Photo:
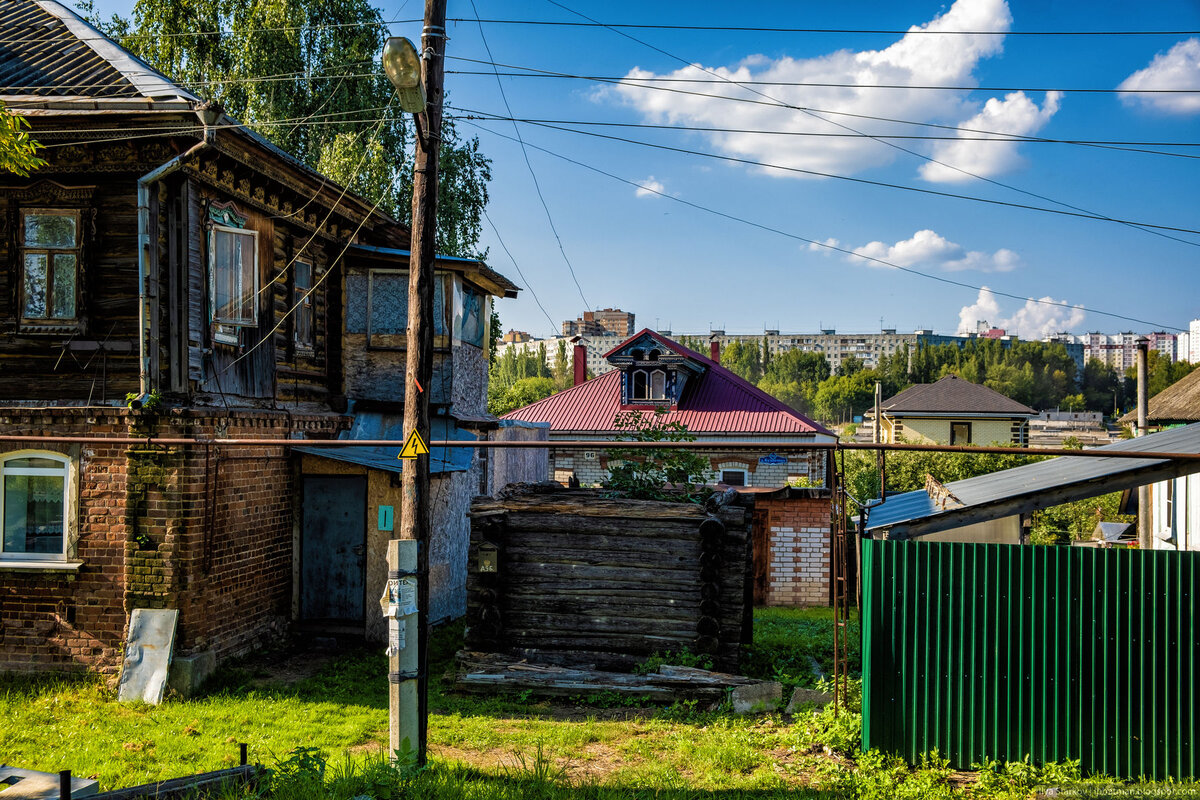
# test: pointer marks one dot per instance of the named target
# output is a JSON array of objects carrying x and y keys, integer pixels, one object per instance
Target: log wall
[{"x": 583, "y": 580}]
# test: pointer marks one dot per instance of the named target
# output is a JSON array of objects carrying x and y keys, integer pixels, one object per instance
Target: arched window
[
  {"x": 658, "y": 385},
  {"x": 638, "y": 386},
  {"x": 33, "y": 505},
  {"x": 638, "y": 354},
  {"x": 654, "y": 354}
]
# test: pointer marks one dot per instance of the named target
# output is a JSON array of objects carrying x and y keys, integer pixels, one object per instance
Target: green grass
[{"x": 324, "y": 737}]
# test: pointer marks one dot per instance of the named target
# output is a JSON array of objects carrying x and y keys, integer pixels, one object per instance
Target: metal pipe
[
  {"x": 1144, "y": 533},
  {"x": 601, "y": 444},
  {"x": 144, "y": 244}
]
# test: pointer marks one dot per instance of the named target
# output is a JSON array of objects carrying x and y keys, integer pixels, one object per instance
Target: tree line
[{"x": 1041, "y": 375}]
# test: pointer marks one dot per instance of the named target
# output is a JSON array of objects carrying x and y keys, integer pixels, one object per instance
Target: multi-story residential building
[
  {"x": 1119, "y": 350},
  {"x": 515, "y": 337},
  {"x": 1194, "y": 341},
  {"x": 597, "y": 346},
  {"x": 610, "y": 321},
  {"x": 836, "y": 347}
]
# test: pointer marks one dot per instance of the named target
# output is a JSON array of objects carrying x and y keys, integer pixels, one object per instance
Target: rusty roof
[{"x": 718, "y": 402}]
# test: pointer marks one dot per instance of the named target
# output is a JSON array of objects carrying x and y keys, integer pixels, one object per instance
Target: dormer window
[
  {"x": 648, "y": 384},
  {"x": 658, "y": 382},
  {"x": 638, "y": 354},
  {"x": 654, "y": 354},
  {"x": 639, "y": 388}
]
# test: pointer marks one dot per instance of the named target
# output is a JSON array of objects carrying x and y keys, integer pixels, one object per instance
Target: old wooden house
[
  {"x": 169, "y": 259},
  {"x": 652, "y": 372}
]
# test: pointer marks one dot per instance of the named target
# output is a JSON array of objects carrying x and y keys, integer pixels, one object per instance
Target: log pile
[{"x": 574, "y": 578}]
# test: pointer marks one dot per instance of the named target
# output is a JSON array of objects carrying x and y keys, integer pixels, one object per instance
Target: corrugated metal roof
[
  {"x": 717, "y": 402},
  {"x": 375, "y": 426},
  {"x": 953, "y": 394},
  {"x": 50, "y": 51},
  {"x": 1060, "y": 479}
]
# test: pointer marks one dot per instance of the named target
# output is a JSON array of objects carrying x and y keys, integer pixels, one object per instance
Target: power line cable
[
  {"x": 776, "y": 29},
  {"x": 886, "y": 143},
  {"x": 819, "y": 85},
  {"x": 1132, "y": 147},
  {"x": 524, "y": 280},
  {"x": 825, "y": 245},
  {"x": 882, "y": 184},
  {"x": 533, "y": 174}
]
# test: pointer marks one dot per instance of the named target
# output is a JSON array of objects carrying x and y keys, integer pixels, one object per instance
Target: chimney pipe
[
  {"x": 580, "y": 363},
  {"x": 714, "y": 351}
]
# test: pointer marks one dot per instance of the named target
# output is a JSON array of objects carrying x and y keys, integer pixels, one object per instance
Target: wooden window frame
[
  {"x": 49, "y": 323},
  {"x": 302, "y": 300},
  {"x": 953, "y": 442},
  {"x": 227, "y": 331}
]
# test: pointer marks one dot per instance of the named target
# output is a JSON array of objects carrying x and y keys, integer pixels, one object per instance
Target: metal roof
[
  {"x": 717, "y": 401},
  {"x": 509, "y": 288},
  {"x": 370, "y": 425},
  {"x": 50, "y": 51},
  {"x": 1039, "y": 485}
]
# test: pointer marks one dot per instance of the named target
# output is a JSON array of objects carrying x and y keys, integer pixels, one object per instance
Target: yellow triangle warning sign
[{"x": 414, "y": 446}]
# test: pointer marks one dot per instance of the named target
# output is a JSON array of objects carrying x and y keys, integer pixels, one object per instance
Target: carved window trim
[{"x": 53, "y": 257}]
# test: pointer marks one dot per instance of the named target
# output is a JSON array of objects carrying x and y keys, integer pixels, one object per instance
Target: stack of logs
[{"x": 575, "y": 578}]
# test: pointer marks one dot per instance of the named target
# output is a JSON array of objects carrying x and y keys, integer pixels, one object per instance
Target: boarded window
[
  {"x": 50, "y": 265},
  {"x": 233, "y": 265}
]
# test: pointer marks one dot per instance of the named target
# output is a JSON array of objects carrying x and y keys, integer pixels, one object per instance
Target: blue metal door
[{"x": 333, "y": 548}]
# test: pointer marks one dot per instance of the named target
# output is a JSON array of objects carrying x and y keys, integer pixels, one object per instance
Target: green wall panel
[{"x": 1005, "y": 651}]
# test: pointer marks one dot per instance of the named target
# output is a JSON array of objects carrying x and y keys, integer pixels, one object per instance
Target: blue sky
[{"x": 677, "y": 266}]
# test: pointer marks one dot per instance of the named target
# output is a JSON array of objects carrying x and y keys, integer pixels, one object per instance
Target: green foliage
[
  {"x": 495, "y": 334},
  {"x": 520, "y": 394},
  {"x": 1076, "y": 520},
  {"x": 794, "y": 646},
  {"x": 1161, "y": 372},
  {"x": 743, "y": 359},
  {"x": 361, "y": 142},
  {"x": 150, "y": 404},
  {"x": 679, "y": 658},
  {"x": 649, "y": 474},
  {"x": 906, "y": 470},
  {"x": 18, "y": 152}
]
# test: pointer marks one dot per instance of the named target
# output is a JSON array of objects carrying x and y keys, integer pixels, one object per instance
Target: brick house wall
[
  {"x": 206, "y": 530},
  {"x": 795, "y": 561},
  {"x": 590, "y": 467}
]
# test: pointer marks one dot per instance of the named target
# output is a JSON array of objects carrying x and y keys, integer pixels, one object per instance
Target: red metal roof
[{"x": 720, "y": 402}]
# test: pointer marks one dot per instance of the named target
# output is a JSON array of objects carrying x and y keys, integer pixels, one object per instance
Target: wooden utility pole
[{"x": 415, "y": 513}]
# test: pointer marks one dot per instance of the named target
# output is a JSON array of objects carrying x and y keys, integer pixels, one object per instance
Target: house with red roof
[
  {"x": 791, "y": 525},
  {"x": 716, "y": 405}
]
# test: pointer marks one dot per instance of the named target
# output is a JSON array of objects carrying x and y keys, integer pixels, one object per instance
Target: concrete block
[
  {"x": 807, "y": 697},
  {"x": 757, "y": 698},
  {"x": 27, "y": 784},
  {"x": 189, "y": 672}
]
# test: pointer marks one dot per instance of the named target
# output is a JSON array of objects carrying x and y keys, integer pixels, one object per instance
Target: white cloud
[
  {"x": 1178, "y": 68},
  {"x": 1034, "y": 320},
  {"x": 824, "y": 247},
  {"x": 1016, "y": 114},
  {"x": 651, "y": 188},
  {"x": 927, "y": 248},
  {"x": 915, "y": 59}
]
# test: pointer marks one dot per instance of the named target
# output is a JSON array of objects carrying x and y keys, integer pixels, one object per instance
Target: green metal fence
[{"x": 991, "y": 651}]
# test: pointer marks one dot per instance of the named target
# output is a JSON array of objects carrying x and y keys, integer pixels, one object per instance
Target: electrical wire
[
  {"x": 886, "y": 143},
  {"x": 825, "y": 245},
  {"x": 525, "y": 280},
  {"x": 532, "y": 174},
  {"x": 774, "y": 29},
  {"x": 868, "y": 182},
  {"x": 1133, "y": 147},
  {"x": 813, "y": 84}
]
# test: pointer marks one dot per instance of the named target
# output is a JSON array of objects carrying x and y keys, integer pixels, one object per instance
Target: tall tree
[{"x": 305, "y": 74}]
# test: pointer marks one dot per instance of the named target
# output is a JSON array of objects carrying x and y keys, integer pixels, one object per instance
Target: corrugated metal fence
[{"x": 991, "y": 651}]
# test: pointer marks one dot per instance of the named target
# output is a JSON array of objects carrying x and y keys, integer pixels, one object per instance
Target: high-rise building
[
  {"x": 1194, "y": 341},
  {"x": 608, "y": 321}
]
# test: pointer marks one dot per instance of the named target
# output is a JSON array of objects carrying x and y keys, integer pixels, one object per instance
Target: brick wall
[
  {"x": 209, "y": 533},
  {"x": 796, "y": 560},
  {"x": 590, "y": 467}
]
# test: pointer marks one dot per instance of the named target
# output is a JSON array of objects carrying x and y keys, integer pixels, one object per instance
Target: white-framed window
[
  {"x": 49, "y": 265},
  {"x": 34, "y": 508},
  {"x": 233, "y": 280},
  {"x": 639, "y": 387},
  {"x": 302, "y": 285}
]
